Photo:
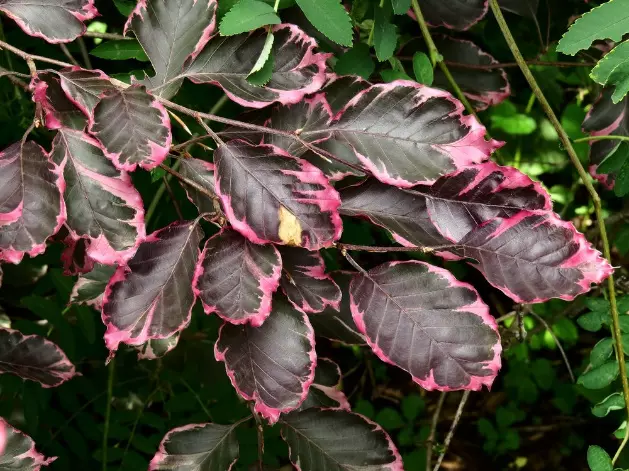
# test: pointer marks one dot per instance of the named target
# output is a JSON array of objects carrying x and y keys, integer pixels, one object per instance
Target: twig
[
  {"x": 135, "y": 424},
  {"x": 94, "y": 34},
  {"x": 69, "y": 55},
  {"x": 209, "y": 131},
  {"x": 567, "y": 144},
  {"x": 172, "y": 197},
  {"x": 504, "y": 65},
  {"x": 86, "y": 56},
  {"x": 455, "y": 422},
  {"x": 196, "y": 396},
  {"x": 30, "y": 57},
  {"x": 368, "y": 248},
  {"x": 602, "y": 138},
  {"x": 353, "y": 262},
  {"x": 189, "y": 142},
  {"x": 550, "y": 330},
  {"x": 613, "y": 219},
  {"x": 110, "y": 394},
  {"x": 189, "y": 182},
  {"x": 158, "y": 195},
  {"x": 433, "y": 429}
]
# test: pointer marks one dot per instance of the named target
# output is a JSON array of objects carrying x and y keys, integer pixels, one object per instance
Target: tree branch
[
  {"x": 369, "y": 248},
  {"x": 567, "y": 144},
  {"x": 433, "y": 429},
  {"x": 94, "y": 34}
]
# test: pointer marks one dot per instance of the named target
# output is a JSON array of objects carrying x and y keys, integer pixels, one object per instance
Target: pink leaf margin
[
  {"x": 88, "y": 11},
  {"x": 38, "y": 459},
  {"x": 328, "y": 200},
  {"x": 114, "y": 336},
  {"x": 161, "y": 454},
  {"x": 478, "y": 308},
  {"x": 471, "y": 149},
  {"x": 270, "y": 413},
  {"x": 63, "y": 377},
  {"x": 11, "y": 255},
  {"x": 266, "y": 284},
  {"x": 397, "y": 465}
]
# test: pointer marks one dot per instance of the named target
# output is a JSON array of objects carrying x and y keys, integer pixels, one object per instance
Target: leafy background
[{"x": 534, "y": 417}]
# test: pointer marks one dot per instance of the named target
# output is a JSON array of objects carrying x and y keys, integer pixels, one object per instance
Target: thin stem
[
  {"x": 110, "y": 394},
  {"x": 504, "y": 65},
  {"x": 565, "y": 140},
  {"x": 353, "y": 262},
  {"x": 135, "y": 424},
  {"x": 30, "y": 57},
  {"x": 94, "y": 34},
  {"x": 68, "y": 54},
  {"x": 84, "y": 54},
  {"x": 369, "y": 248},
  {"x": 196, "y": 396},
  {"x": 189, "y": 142},
  {"x": 158, "y": 195},
  {"x": 189, "y": 182},
  {"x": 557, "y": 342},
  {"x": 172, "y": 197},
  {"x": 602, "y": 138},
  {"x": 209, "y": 131},
  {"x": 260, "y": 430},
  {"x": 430, "y": 441},
  {"x": 455, "y": 422}
]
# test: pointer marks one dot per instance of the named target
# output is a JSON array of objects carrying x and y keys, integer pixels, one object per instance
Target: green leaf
[
  {"x": 608, "y": 21},
  {"x": 598, "y": 459},
  {"x": 612, "y": 402},
  {"x": 120, "y": 50},
  {"x": 125, "y": 7},
  {"x": 412, "y": 406},
  {"x": 330, "y": 18},
  {"x": 615, "y": 160},
  {"x": 601, "y": 352},
  {"x": 400, "y": 7},
  {"x": 264, "y": 54},
  {"x": 518, "y": 124},
  {"x": 356, "y": 61},
  {"x": 390, "y": 75},
  {"x": 621, "y": 186},
  {"x": 621, "y": 240},
  {"x": 422, "y": 67},
  {"x": 365, "y": 408},
  {"x": 262, "y": 76},
  {"x": 248, "y": 15},
  {"x": 384, "y": 36},
  {"x": 613, "y": 70},
  {"x": 600, "y": 377},
  {"x": 389, "y": 418}
]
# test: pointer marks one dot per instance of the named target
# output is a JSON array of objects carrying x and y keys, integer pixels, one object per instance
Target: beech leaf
[{"x": 17, "y": 450}]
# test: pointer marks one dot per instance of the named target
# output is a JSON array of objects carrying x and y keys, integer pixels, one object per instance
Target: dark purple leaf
[
  {"x": 269, "y": 196},
  {"x": 453, "y": 14},
  {"x": 405, "y": 133},
  {"x": 202, "y": 173},
  {"x": 402, "y": 212},
  {"x": 31, "y": 206},
  {"x": 527, "y": 8},
  {"x": 56, "y": 21},
  {"x": 227, "y": 61},
  {"x": 272, "y": 365},
  {"x": 420, "y": 318},
  {"x": 35, "y": 358},
  {"x": 459, "y": 202},
  {"x": 157, "y": 348},
  {"x": 326, "y": 388},
  {"x": 133, "y": 128},
  {"x": 339, "y": 90},
  {"x": 202, "y": 447},
  {"x": 74, "y": 256},
  {"x": 90, "y": 287},
  {"x": 102, "y": 204},
  {"x": 152, "y": 297},
  {"x": 306, "y": 284},
  {"x": 335, "y": 439},
  {"x": 17, "y": 450},
  {"x": 84, "y": 87},
  {"x": 171, "y": 32},
  {"x": 236, "y": 279},
  {"x": 482, "y": 87},
  {"x": 58, "y": 109},
  {"x": 606, "y": 119},
  {"x": 533, "y": 256},
  {"x": 338, "y": 325}
]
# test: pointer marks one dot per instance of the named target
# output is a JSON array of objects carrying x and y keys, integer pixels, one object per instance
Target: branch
[
  {"x": 69, "y": 55},
  {"x": 31, "y": 57},
  {"x": 455, "y": 422},
  {"x": 504, "y": 65},
  {"x": 189, "y": 182},
  {"x": 567, "y": 144},
  {"x": 430, "y": 441},
  {"x": 369, "y": 248},
  {"x": 602, "y": 138},
  {"x": 550, "y": 331},
  {"x": 94, "y": 34}
]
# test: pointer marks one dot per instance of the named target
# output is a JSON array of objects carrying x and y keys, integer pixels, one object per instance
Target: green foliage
[
  {"x": 247, "y": 15},
  {"x": 356, "y": 61},
  {"x": 422, "y": 68},
  {"x": 385, "y": 34},
  {"x": 330, "y": 18},
  {"x": 598, "y": 459},
  {"x": 400, "y": 7},
  {"x": 262, "y": 70},
  {"x": 120, "y": 50},
  {"x": 607, "y": 21}
]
